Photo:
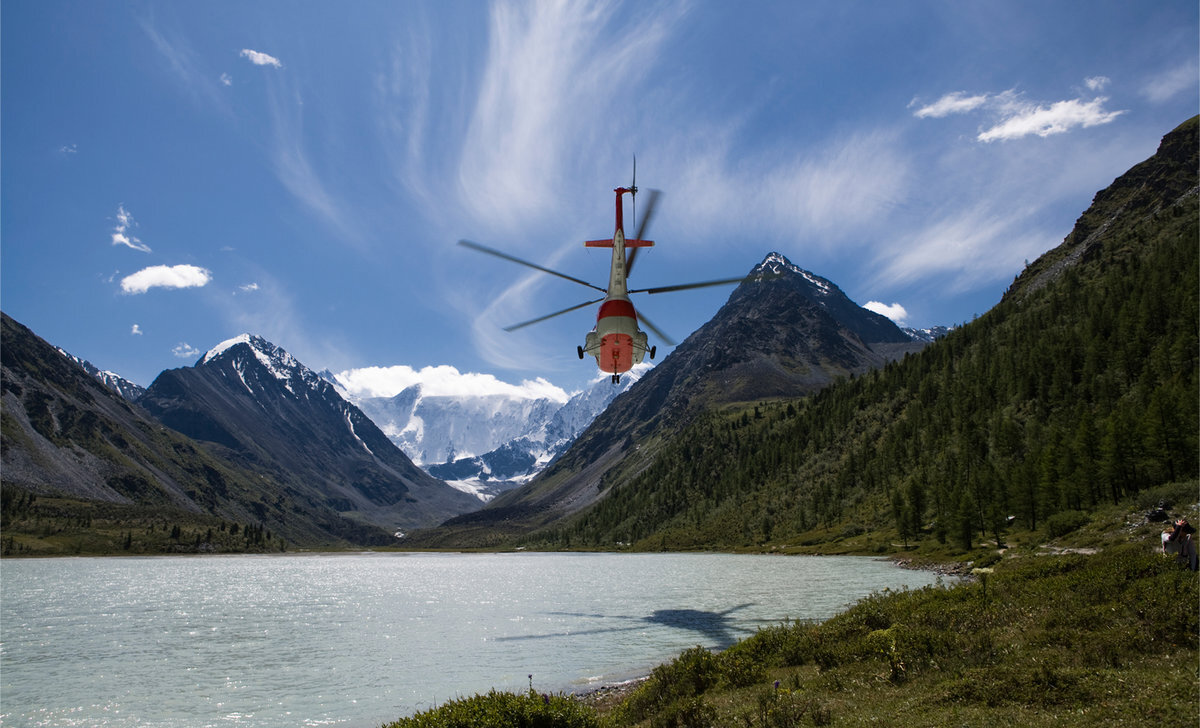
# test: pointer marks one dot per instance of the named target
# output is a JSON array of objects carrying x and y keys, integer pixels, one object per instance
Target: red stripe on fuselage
[{"x": 616, "y": 307}]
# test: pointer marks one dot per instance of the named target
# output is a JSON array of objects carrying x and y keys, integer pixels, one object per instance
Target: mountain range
[
  {"x": 316, "y": 468},
  {"x": 788, "y": 413},
  {"x": 247, "y": 435},
  {"x": 784, "y": 332}
]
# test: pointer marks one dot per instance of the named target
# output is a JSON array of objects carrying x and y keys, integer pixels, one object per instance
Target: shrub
[
  {"x": 783, "y": 708},
  {"x": 739, "y": 669},
  {"x": 505, "y": 710},
  {"x": 671, "y": 685},
  {"x": 1060, "y": 524},
  {"x": 690, "y": 712}
]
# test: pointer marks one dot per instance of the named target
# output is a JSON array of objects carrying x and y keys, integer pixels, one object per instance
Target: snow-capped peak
[
  {"x": 776, "y": 263},
  {"x": 279, "y": 362},
  {"x": 224, "y": 346}
]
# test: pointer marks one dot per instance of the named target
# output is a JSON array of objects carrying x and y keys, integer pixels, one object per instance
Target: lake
[{"x": 360, "y": 639}]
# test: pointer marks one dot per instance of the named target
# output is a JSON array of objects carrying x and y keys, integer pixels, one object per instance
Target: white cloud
[
  {"x": 441, "y": 381},
  {"x": 162, "y": 276},
  {"x": 1057, "y": 118},
  {"x": 226, "y": 79},
  {"x": 1013, "y": 118},
  {"x": 136, "y": 330},
  {"x": 248, "y": 288},
  {"x": 1167, "y": 84},
  {"x": 895, "y": 311},
  {"x": 184, "y": 350},
  {"x": 952, "y": 103},
  {"x": 260, "y": 59},
  {"x": 125, "y": 221},
  {"x": 68, "y": 149}
]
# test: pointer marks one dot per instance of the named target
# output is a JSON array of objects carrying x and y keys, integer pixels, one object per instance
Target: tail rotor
[{"x": 649, "y": 213}]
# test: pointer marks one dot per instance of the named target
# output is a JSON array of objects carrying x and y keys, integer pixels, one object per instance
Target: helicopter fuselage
[{"x": 616, "y": 341}]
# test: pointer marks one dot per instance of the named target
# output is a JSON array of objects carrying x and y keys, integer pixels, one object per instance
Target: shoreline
[{"x": 606, "y": 697}]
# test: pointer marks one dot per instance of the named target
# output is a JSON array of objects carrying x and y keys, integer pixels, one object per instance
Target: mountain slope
[
  {"x": 262, "y": 408},
  {"x": 784, "y": 333},
  {"x": 1079, "y": 387},
  {"x": 68, "y": 436}
]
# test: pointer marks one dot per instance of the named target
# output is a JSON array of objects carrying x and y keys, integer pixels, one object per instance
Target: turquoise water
[{"x": 360, "y": 639}]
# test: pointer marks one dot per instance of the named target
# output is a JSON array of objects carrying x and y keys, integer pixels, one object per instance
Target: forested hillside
[{"x": 1078, "y": 388}]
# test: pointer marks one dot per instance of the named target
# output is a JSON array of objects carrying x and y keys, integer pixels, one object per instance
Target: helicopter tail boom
[{"x": 629, "y": 243}]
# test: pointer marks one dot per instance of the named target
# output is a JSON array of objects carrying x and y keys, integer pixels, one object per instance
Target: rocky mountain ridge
[
  {"x": 264, "y": 408},
  {"x": 82, "y": 449}
]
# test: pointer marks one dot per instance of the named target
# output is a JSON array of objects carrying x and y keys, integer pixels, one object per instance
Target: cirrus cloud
[
  {"x": 952, "y": 103},
  {"x": 164, "y": 276},
  {"x": 1167, "y": 84}
]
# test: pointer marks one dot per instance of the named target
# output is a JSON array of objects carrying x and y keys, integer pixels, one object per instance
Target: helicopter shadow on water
[{"x": 716, "y": 628}]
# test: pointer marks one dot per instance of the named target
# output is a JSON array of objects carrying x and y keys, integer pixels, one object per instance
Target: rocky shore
[{"x": 607, "y": 697}]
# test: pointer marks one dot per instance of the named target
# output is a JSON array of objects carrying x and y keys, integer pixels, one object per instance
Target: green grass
[{"x": 505, "y": 710}]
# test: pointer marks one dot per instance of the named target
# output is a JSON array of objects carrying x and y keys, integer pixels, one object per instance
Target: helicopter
[{"x": 616, "y": 341}]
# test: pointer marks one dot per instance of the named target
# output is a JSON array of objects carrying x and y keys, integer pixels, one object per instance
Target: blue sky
[{"x": 175, "y": 174}]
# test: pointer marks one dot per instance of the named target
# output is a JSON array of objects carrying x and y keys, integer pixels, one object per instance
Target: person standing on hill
[{"x": 1185, "y": 544}]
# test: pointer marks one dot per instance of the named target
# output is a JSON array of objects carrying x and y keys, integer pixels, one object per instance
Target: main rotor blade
[
  {"x": 655, "y": 330},
  {"x": 523, "y": 324},
  {"x": 689, "y": 286},
  {"x": 646, "y": 215},
  {"x": 535, "y": 266}
]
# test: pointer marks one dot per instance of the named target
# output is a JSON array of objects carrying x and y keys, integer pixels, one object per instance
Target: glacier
[{"x": 484, "y": 444}]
